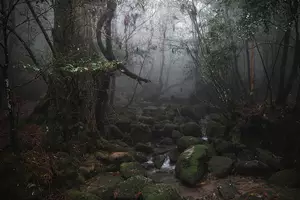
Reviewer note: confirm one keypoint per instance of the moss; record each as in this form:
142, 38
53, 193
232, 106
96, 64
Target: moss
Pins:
160, 192
186, 141
131, 169
191, 166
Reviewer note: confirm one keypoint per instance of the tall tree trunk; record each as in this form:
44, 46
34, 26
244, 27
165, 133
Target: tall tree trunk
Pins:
284, 59
162, 65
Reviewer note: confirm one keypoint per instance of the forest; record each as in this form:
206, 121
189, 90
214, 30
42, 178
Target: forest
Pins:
150, 99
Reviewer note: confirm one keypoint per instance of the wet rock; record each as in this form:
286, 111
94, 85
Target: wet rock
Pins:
166, 141
145, 148
176, 135
140, 157
78, 195
159, 161
131, 169
160, 192
102, 185
286, 178
223, 146
168, 129
227, 190
146, 120
220, 166
252, 168
187, 141
270, 159
140, 133
213, 129
191, 165
130, 188
191, 129
173, 155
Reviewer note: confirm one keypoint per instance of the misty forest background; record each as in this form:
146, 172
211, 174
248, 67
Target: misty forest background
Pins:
76, 72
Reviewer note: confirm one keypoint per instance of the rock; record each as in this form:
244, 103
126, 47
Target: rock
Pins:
168, 129
252, 168
217, 118
140, 133
173, 155
186, 141
166, 141
102, 156
223, 146
130, 188
160, 192
190, 166
102, 185
262, 194
159, 161
120, 157
286, 178
131, 169
109, 146
227, 190
176, 135
145, 148
78, 195
124, 125
90, 166
191, 129
213, 129
140, 157
146, 120
246, 155
220, 166
267, 157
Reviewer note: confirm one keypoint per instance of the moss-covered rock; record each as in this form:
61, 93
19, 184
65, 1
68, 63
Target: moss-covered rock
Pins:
90, 166
145, 148
78, 195
132, 187
191, 164
213, 129
269, 158
160, 192
114, 132
173, 155
168, 129
120, 157
286, 178
110, 146
146, 120
102, 156
191, 129
220, 166
186, 141
140, 157
130, 169
176, 135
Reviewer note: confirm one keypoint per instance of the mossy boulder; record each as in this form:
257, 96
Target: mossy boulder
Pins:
110, 146
286, 178
269, 158
102, 185
186, 141
173, 155
145, 148
140, 157
132, 187
191, 129
160, 192
130, 169
146, 120
120, 157
213, 129
90, 166
114, 132
102, 156
191, 164
168, 129
176, 135
220, 166
78, 195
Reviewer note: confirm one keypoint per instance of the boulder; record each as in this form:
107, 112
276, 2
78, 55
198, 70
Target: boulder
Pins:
173, 155
252, 168
191, 165
140, 157
140, 133
186, 141
286, 178
120, 157
191, 129
110, 146
227, 190
131, 169
213, 129
159, 161
90, 166
168, 129
102, 156
131, 188
246, 155
220, 166
114, 132
176, 135
124, 125
166, 141
270, 159
145, 148
223, 146
160, 192
146, 120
